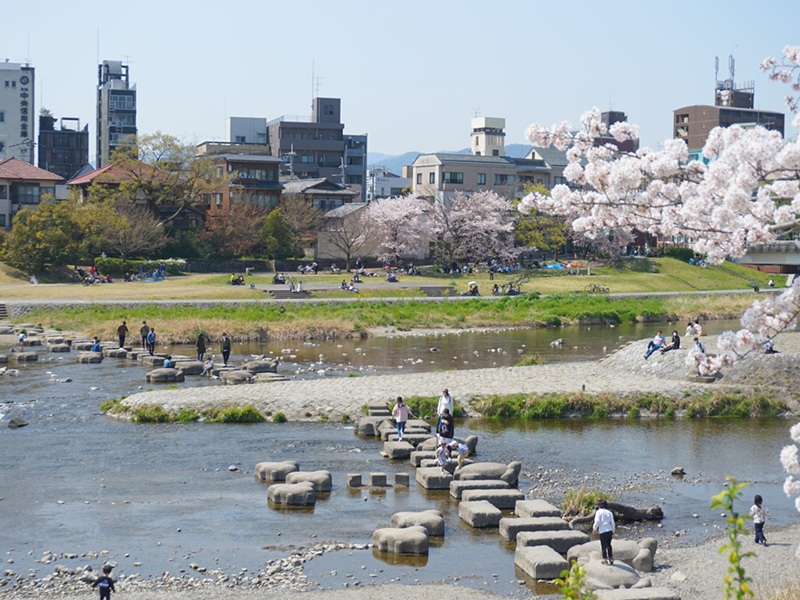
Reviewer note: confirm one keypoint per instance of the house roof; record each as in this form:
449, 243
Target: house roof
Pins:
14, 168
250, 158
113, 173
315, 186
344, 210
447, 157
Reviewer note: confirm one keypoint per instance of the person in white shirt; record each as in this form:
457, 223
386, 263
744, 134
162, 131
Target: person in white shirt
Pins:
604, 525
760, 515
461, 449
443, 458
698, 329
690, 330
400, 413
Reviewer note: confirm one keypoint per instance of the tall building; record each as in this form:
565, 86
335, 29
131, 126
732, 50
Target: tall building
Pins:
488, 136
63, 151
116, 109
17, 111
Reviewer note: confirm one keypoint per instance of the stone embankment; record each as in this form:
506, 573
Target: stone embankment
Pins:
622, 373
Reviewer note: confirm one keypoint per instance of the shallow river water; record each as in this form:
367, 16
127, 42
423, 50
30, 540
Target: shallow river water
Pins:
75, 481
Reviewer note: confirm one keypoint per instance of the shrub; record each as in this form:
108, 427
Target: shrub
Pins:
114, 405
118, 267
187, 416
531, 359
279, 418
345, 418
247, 414
679, 252
151, 414
581, 501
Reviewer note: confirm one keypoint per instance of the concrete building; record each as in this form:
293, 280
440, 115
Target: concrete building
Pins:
116, 109
65, 150
355, 164
21, 185
247, 130
17, 111
488, 136
254, 180
382, 183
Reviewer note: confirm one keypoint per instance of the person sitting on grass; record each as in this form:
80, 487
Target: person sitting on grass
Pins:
655, 344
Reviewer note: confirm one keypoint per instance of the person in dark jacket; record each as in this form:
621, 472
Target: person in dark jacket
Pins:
104, 583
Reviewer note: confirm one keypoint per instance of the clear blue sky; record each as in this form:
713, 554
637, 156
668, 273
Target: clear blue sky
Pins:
411, 73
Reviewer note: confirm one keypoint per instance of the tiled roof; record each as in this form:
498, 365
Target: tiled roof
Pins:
112, 174
14, 168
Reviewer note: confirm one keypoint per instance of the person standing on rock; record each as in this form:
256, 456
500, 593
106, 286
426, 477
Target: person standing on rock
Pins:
443, 458
201, 346
462, 450
143, 331
447, 427
104, 583
604, 526
122, 331
400, 413
225, 348
151, 340
21, 337
760, 515
445, 401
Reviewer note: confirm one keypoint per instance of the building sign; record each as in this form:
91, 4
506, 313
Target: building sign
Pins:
24, 105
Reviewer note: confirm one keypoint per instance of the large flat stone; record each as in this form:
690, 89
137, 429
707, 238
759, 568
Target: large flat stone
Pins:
401, 540
511, 526
418, 455
432, 520
190, 367
164, 375
490, 470
275, 471
540, 562
236, 377
26, 356
434, 478
292, 494
262, 366
115, 352
639, 556
321, 480
397, 450
59, 347
652, 593
369, 425
480, 513
503, 499
458, 487
560, 541
536, 508
409, 436
90, 357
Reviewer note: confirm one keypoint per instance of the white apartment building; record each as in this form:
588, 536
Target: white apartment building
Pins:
17, 111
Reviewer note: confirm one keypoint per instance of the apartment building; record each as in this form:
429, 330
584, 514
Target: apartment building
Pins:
116, 109
63, 150
17, 111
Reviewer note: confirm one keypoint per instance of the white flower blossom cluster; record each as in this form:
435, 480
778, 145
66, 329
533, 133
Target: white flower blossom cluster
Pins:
399, 225
791, 465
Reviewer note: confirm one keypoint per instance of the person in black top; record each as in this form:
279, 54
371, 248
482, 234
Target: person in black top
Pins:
104, 583
447, 426
674, 343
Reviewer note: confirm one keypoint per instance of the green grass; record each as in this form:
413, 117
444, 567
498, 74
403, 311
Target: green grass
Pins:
581, 501
155, 414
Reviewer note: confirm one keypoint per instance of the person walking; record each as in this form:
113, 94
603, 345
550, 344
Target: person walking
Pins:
225, 348
760, 515
400, 413
151, 340
21, 338
122, 331
604, 526
201, 346
447, 427
143, 331
104, 583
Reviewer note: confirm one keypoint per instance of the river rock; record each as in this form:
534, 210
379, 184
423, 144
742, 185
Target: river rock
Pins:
59, 347
25, 356
16, 423
536, 508
236, 377
490, 470
560, 541
458, 487
262, 366
479, 513
405, 540
292, 494
189, 367
164, 375
540, 562
640, 556
90, 357
618, 575
432, 520
321, 480
275, 471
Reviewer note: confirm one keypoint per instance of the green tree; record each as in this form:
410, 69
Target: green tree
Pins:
539, 231
42, 237
277, 237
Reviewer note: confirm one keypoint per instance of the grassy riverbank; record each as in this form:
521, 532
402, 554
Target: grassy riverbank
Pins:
181, 324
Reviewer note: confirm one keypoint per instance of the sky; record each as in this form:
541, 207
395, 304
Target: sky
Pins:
410, 74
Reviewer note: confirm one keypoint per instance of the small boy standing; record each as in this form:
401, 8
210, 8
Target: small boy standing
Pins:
105, 584
760, 515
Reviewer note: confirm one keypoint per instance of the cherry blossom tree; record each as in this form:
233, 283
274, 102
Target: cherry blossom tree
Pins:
398, 225
473, 225
748, 193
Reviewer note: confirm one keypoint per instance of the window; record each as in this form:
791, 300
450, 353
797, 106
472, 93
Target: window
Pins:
25, 193
3, 192
431, 177
481, 178
219, 172
503, 179
495, 152
218, 198
307, 158
559, 180
239, 139
449, 177
2, 220
2, 117
121, 102
419, 178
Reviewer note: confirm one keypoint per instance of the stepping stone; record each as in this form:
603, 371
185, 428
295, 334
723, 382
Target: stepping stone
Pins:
480, 513
540, 562
135, 354
408, 436
652, 593
190, 367
401, 479
377, 479
82, 346
27, 356
491, 470
275, 471
261, 366
292, 494
236, 377
59, 347
434, 478
3, 358
354, 480
536, 508
90, 357
432, 462
511, 526
368, 425
432, 520
421, 424
502, 499
321, 480
618, 575
378, 409
639, 556
116, 353
418, 455
156, 360
32, 341
164, 375
560, 541
397, 450
458, 487
405, 540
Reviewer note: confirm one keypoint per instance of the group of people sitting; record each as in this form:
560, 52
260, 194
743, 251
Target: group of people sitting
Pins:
278, 279
237, 279
660, 343
350, 287
472, 290
500, 290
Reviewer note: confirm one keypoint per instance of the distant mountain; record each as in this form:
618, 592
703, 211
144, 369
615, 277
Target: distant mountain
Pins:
396, 162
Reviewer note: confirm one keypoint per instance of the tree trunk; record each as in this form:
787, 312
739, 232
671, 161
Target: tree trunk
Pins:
624, 512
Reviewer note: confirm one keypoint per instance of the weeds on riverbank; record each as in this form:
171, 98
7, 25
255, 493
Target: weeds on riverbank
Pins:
269, 320
151, 413
423, 407
553, 406
581, 501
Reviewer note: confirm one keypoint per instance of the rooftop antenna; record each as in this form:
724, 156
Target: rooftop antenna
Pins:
732, 67
28, 59
716, 68
342, 167
98, 44
477, 112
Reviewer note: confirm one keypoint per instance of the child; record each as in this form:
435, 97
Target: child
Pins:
400, 413
461, 449
105, 583
760, 514
443, 458
604, 525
